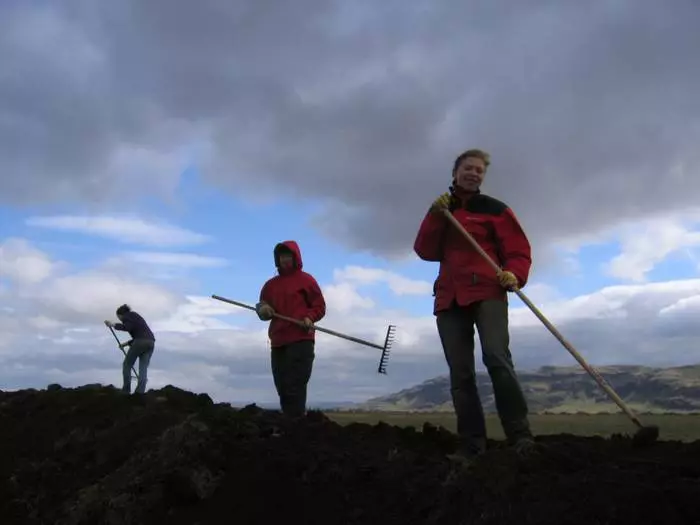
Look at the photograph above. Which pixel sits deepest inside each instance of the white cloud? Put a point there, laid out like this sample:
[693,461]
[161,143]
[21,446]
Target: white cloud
[94,295]
[398,284]
[23,263]
[53,332]
[198,314]
[42,322]
[540,293]
[176,259]
[87,296]
[344,297]
[632,302]
[645,245]
[691,304]
[124,229]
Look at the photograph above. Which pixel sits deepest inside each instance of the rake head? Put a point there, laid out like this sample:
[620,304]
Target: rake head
[388,341]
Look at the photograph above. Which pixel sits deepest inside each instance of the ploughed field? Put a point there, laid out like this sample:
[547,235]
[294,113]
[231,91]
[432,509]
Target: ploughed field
[683,427]
[92,456]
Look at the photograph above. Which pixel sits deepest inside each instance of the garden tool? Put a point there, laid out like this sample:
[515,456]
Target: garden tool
[645,434]
[136,375]
[388,340]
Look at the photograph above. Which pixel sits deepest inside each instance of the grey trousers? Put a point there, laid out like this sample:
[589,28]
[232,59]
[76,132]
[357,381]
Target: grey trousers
[141,349]
[291,371]
[456,330]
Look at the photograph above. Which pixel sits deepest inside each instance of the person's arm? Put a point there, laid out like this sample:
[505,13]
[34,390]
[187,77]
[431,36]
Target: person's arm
[429,241]
[514,247]
[263,308]
[315,300]
[127,325]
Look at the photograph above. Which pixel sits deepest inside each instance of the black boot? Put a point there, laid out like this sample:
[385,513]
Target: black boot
[468,450]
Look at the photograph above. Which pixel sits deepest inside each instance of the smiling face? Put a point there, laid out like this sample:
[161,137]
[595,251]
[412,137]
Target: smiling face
[470,173]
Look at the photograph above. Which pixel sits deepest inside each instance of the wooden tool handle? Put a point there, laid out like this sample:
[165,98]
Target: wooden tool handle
[553,330]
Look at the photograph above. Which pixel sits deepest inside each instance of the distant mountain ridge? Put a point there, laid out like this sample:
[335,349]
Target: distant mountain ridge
[566,390]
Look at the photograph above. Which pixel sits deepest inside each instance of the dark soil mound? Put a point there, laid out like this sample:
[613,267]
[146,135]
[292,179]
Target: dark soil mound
[90,455]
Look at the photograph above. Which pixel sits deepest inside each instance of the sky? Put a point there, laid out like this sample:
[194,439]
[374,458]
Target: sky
[153,153]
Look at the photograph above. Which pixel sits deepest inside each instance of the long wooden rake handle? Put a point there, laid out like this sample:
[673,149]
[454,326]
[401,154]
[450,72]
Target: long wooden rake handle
[119,344]
[300,323]
[566,344]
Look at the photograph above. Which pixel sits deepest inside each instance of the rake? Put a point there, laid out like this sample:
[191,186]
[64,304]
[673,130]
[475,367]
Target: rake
[388,340]
[119,344]
[645,434]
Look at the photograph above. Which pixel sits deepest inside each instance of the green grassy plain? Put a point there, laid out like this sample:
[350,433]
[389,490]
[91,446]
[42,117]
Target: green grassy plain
[672,426]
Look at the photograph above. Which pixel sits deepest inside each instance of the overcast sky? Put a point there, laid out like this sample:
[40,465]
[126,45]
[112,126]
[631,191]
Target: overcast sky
[353,112]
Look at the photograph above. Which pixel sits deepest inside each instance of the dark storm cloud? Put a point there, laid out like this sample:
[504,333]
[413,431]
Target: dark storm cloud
[587,108]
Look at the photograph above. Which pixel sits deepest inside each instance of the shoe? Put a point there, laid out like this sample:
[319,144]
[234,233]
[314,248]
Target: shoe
[525,446]
[473,446]
[468,452]
[463,459]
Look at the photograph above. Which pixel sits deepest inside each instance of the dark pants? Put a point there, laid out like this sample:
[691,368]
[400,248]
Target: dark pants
[291,370]
[141,349]
[456,330]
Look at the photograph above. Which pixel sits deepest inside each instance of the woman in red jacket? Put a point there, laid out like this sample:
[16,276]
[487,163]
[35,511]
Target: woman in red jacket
[293,293]
[468,293]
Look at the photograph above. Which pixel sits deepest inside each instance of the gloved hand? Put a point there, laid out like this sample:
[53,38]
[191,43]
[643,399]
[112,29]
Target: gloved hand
[441,203]
[124,345]
[109,323]
[308,323]
[265,311]
[507,279]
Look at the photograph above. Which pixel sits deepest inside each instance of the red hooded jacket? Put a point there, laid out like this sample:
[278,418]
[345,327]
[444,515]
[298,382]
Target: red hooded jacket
[293,293]
[464,276]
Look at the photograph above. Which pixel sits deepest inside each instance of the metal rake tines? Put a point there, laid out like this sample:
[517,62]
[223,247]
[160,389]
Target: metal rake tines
[388,341]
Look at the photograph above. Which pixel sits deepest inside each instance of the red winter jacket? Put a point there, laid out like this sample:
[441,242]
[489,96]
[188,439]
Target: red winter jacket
[464,276]
[295,294]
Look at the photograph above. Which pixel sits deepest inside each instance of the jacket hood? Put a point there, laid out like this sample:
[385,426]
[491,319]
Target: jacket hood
[293,247]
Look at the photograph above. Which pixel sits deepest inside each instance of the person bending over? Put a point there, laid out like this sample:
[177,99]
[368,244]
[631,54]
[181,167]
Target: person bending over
[141,346]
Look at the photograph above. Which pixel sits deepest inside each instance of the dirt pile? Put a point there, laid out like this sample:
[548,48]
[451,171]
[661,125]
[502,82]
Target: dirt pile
[90,455]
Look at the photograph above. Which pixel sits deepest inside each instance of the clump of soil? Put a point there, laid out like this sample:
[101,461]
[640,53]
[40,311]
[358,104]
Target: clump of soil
[93,456]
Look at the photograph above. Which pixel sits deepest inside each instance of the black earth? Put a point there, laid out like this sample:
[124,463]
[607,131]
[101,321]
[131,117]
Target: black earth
[91,455]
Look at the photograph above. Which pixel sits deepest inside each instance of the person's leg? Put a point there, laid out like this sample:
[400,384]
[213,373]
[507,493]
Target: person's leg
[277,357]
[456,331]
[129,360]
[147,348]
[300,359]
[492,324]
